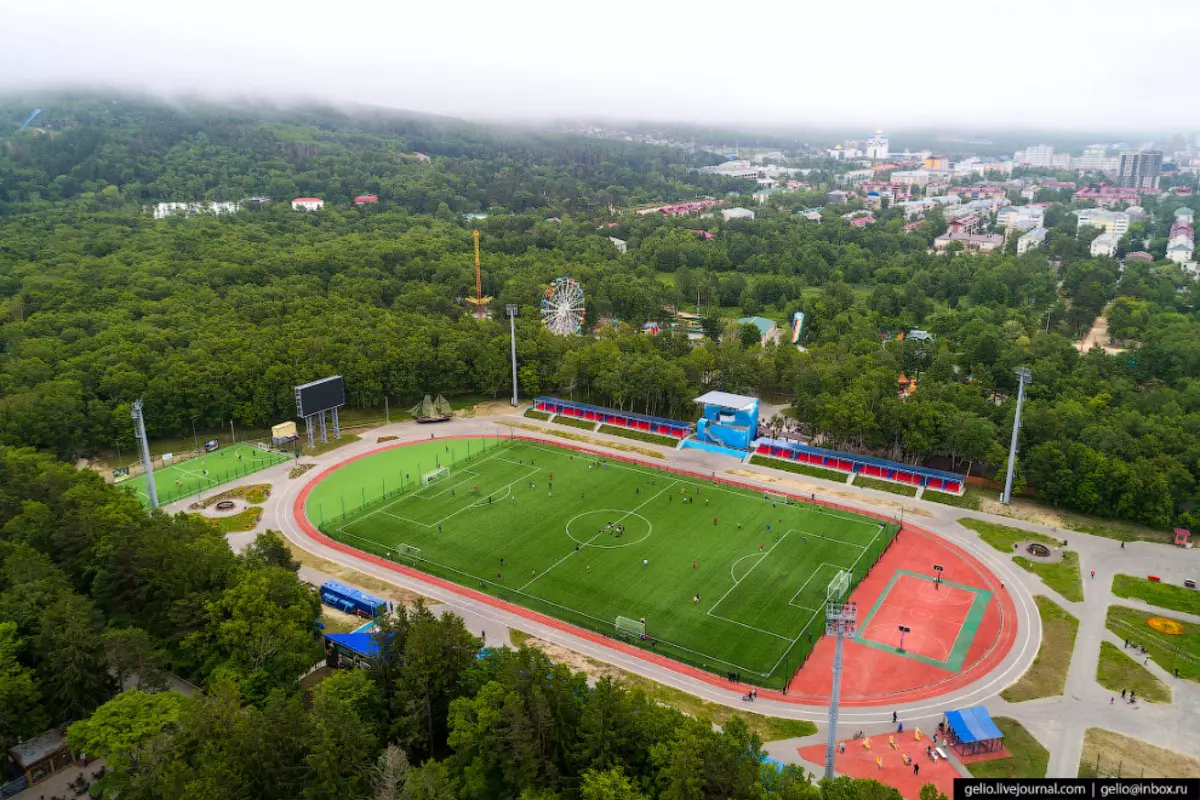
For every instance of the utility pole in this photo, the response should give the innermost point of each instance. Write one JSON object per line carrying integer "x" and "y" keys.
{"x": 195, "y": 439}
{"x": 232, "y": 432}
{"x": 840, "y": 620}
{"x": 511, "y": 310}
{"x": 1024, "y": 376}
{"x": 139, "y": 430}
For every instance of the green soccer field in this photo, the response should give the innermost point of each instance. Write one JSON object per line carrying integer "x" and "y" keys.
{"x": 210, "y": 470}
{"x": 725, "y": 578}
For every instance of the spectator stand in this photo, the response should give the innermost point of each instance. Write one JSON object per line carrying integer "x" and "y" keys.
{"x": 609, "y": 416}
{"x": 971, "y": 732}
{"x": 866, "y": 466}
{"x": 727, "y": 425}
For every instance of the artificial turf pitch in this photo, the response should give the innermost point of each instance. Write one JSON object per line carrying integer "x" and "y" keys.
{"x": 196, "y": 475}
{"x": 529, "y": 523}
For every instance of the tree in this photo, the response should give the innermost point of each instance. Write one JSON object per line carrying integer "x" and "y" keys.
{"x": 133, "y": 654}
{"x": 76, "y": 679}
{"x": 342, "y": 747}
{"x": 610, "y": 784}
{"x": 117, "y": 729}
{"x": 430, "y": 781}
{"x": 749, "y": 335}
{"x": 21, "y": 714}
{"x": 390, "y": 775}
{"x": 270, "y": 550}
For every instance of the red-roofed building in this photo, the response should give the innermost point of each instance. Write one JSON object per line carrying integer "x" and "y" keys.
{"x": 862, "y": 222}
{"x": 308, "y": 204}
{"x": 705, "y": 235}
{"x": 364, "y": 199}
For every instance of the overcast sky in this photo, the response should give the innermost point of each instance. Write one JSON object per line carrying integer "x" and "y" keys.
{"x": 894, "y": 63}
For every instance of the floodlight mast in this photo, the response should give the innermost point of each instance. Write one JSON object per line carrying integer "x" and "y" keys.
{"x": 139, "y": 431}
{"x": 511, "y": 310}
{"x": 1024, "y": 376}
{"x": 840, "y": 621}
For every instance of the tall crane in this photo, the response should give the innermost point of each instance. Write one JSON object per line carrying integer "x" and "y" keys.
{"x": 479, "y": 301}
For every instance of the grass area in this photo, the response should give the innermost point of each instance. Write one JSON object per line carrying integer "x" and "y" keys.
{"x": 1124, "y": 756}
{"x": 885, "y": 486}
{"x": 1062, "y": 576}
{"x": 1116, "y": 671}
{"x": 1003, "y": 537}
{"x": 338, "y": 621}
{"x": 519, "y": 638}
{"x": 537, "y": 525}
{"x": 332, "y": 444}
{"x": 533, "y": 413}
{"x": 571, "y": 422}
{"x": 1047, "y": 676}
{"x": 255, "y": 493}
{"x": 1029, "y": 759}
{"x": 641, "y": 436}
{"x": 1169, "y": 652}
{"x": 799, "y": 469}
{"x": 177, "y": 481}
{"x": 1163, "y": 595}
{"x": 967, "y": 499}
{"x": 579, "y": 437}
{"x": 244, "y": 520}
{"x": 361, "y": 580}
{"x": 1111, "y": 529}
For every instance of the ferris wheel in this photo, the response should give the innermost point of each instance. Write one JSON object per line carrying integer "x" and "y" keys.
{"x": 562, "y": 307}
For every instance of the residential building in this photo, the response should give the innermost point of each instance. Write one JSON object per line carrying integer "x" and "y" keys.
{"x": 1105, "y": 245}
{"x": 1036, "y": 238}
{"x": 1109, "y": 196}
{"x": 917, "y": 177}
{"x": 1136, "y": 213}
{"x": 971, "y": 242}
{"x": 1139, "y": 255}
{"x": 1180, "y": 251}
{"x": 1139, "y": 169}
{"x": 308, "y": 204}
{"x": 162, "y": 210}
{"x": 877, "y": 146}
{"x": 733, "y": 169}
{"x": 813, "y": 214}
{"x": 681, "y": 209}
{"x": 937, "y": 162}
{"x": 1095, "y": 158}
{"x": 737, "y": 213}
{"x": 1110, "y": 221}
{"x": 1042, "y": 155}
{"x": 366, "y": 199}
{"x": 837, "y": 196}
{"x": 1021, "y": 217}
{"x": 768, "y": 329}
{"x": 1184, "y": 213}
{"x": 620, "y": 244}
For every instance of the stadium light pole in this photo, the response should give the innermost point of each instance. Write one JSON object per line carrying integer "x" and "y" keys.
{"x": 511, "y": 310}
{"x": 195, "y": 438}
{"x": 1024, "y": 376}
{"x": 139, "y": 430}
{"x": 840, "y": 619}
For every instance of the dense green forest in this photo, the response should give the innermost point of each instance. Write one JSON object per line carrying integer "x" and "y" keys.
{"x": 217, "y": 317}
{"x": 95, "y": 594}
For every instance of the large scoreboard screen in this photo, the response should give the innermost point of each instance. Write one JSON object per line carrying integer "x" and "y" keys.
{"x": 313, "y": 398}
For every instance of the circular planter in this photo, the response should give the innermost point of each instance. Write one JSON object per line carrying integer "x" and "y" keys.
{"x": 226, "y": 505}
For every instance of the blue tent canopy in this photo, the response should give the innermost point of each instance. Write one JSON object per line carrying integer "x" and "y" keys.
{"x": 362, "y": 644}
{"x": 973, "y": 725}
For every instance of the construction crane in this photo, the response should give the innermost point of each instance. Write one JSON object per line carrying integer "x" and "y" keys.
{"x": 479, "y": 301}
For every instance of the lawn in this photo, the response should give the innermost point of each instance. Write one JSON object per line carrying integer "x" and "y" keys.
{"x": 641, "y": 436}
{"x": 1047, "y": 676}
{"x": 1029, "y": 759}
{"x": 1169, "y": 652}
{"x": 1063, "y": 576}
{"x": 885, "y": 486}
{"x": 1003, "y": 537}
{"x": 800, "y": 469}
{"x": 1163, "y": 595}
{"x": 1116, "y": 671}
{"x": 533, "y": 413}
{"x": 188, "y": 478}
{"x": 727, "y": 580}
{"x": 332, "y": 444}
{"x": 968, "y": 499}
{"x": 244, "y": 520}
{"x": 1122, "y": 756}
{"x": 571, "y": 422}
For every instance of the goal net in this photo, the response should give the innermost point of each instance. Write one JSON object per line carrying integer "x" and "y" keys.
{"x": 406, "y": 551}
{"x": 436, "y": 475}
{"x": 776, "y": 498}
{"x": 627, "y": 625}
{"x": 838, "y": 588}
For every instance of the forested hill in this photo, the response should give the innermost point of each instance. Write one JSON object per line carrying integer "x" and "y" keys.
{"x": 157, "y": 152}
{"x": 218, "y": 317}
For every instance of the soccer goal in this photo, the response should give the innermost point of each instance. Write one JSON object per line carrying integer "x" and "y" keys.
{"x": 776, "y": 498}
{"x": 839, "y": 587}
{"x": 436, "y": 475}
{"x": 406, "y": 551}
{"x": 627, "y": 625}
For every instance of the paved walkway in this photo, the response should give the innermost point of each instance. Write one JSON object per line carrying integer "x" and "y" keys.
{"x": 1058, "y": 722}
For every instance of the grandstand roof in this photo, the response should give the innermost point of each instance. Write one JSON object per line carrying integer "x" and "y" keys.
{"x": 625, "y": 414}
{"x": 973, "y": 725}
{"x": 878, "y": 462}
{"x": 734, "y": 402}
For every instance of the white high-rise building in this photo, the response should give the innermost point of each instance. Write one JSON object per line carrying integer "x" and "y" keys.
{"x": 877, "y": 146}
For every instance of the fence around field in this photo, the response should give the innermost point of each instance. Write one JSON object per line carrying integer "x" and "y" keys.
{"x": 353, "y": 503}
{"x": 778, "y": 678}
{"x": 168, "y": 491}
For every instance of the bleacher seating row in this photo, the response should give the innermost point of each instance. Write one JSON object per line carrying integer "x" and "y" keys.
{"x": 867, "y": 466}
{"x": 609, "y": 416}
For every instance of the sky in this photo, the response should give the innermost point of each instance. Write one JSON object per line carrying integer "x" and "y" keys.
{"x": 1065, "y": 64}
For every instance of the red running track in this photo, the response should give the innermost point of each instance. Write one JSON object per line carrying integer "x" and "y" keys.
{"x": 870, "y": 677}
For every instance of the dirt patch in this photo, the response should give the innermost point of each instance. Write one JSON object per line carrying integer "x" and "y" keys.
{"x": 339, "y": 621}
{"x": 1022, "y": 511}
{"x": 800, "y": 486}
{"x": 492, "y": 408}
{"x": 374, "y": 585}
{"x": 1132, "y": 758}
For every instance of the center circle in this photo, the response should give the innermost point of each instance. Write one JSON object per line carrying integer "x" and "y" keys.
{"x": 588, "y": 529}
